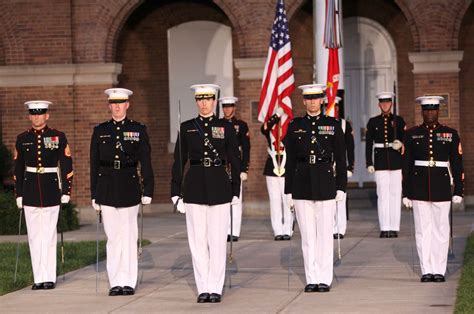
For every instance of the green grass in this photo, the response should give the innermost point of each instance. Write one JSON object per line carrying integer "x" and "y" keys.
{"x": 465, "y": 294}
{"x": 76, "y": 255}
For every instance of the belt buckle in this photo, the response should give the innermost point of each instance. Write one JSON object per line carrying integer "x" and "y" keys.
{"x": 312, "y": 159}
{"x": 39, "y": 169}
{"x": 117, "y": 164}
{"x": 432, "y": 163}
{"x": 206, "y": 162}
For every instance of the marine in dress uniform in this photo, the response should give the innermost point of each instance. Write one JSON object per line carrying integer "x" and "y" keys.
{"x": 432, "y": 156}
{"x": 118, "y": 147}
{"x": 315, "y": 179}
{"x": 384, "y": 135}
{"x": 43, "y": 177}
{"x": 207, "y": 192}
{"x": 274, "y": 172}
{"x": 340, "y": 219}
{"x": 243, "y": 137}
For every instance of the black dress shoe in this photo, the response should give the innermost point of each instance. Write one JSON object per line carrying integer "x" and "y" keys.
{"x": 438, "y": 278}
{"x": 228, "y": 238}
{"x": 49, "y": 285}
{"x": 203, "y": 298}
{"x": 235, "y": 238}
{"x": 278, "y": 238}
{"x": 426, "y": 278}
{"x": 128, "y": 290}
{"x": 341, "y": 236}
{"x": 286, "y": 237}
{"x": 393, "y": 234}
{"x": 115, "y": 291}
{"x": 384, "y": 234}
{"x": 311, "y": 288}
{"x": 322, "y": 287}
{"x": 215, "y": 298}
{"x": 37, "y": 286}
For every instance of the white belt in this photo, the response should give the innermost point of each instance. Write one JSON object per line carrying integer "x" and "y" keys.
{"x": 382, "y": 145}
{"x": 432, "y": 163}
{"x": 42, "y": 169}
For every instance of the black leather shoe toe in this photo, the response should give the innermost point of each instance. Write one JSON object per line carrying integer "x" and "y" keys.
{"x": 323, "y": 287}
{"x": 426, "y": 278}
{"x": 203, "y": 298}
{"x": 37, "y": 286}
{"x": 286, "y": 237}
{"x": 49, "y": 285}
{"x": 115, "y": 291}
{"x": 278, "y": 238}
{"x": 311, "y": 288}
{"x": 215, "y": 298}
{"x": 384, "y": 234}
{"x": 128, "y": 290}
{"x": 438, "y": 278}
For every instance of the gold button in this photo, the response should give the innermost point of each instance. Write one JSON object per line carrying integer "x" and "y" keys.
{"x": 117, "y": 137}
{"x": 313, "y": 132}
{"x": 39, "y": 141}
{"x": 205, "y": 134}
{"x": 314, "y": 123}
{"x": 39, "y": 136}
{"x": 39, "y": 146}
{"x": 312, "y": 152}
{"x": 39, "y": 152}
{"x": 39, "y": 165}
{"x": 205, "y": 124}
{"x": 118, "y": 128}
{"x": 431, "y": 152}
{"x": 116, "y": 156}
{"x": 39, "y": 158}
{"x": 431, "y": 146}
{"x": 205, "y": 153}
{"x": 431, "y": 140}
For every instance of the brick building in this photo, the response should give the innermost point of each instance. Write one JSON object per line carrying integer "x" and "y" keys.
{"x": 69, "y": 51}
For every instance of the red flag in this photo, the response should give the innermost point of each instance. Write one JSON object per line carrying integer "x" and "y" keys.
{"x": 278, "y": 79}
{"x": 332, "y": 82}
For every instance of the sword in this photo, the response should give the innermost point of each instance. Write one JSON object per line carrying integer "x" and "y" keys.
{"x": 99, "y": 220}
{"x": 62, "y": 243}
{"x": 231, "y": 232}
{"x": 339, "y": 258}
{"x": 292, "y": 210}
{"x": 18, "y": 245}
{"x": 140, "y": 250}
{"x": 175, "y": 207}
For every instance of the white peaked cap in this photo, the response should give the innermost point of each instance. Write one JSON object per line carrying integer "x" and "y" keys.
{"x": 118, "y": 93}
{"x": 228, "y": 100}
{"x": 312, "y": 89}
{"x": 385, "y": 95}
{"x": 205, "y": 89}
{"x": 37, "y": 104}
{"x": 430, "y": 100}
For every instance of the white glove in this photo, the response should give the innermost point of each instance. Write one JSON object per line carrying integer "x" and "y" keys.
{"x": 371, "y": 169}
{"x": 65, "y": 199}
{"x": 289, "y": 200}
{"x": 96, "y": 206}
{"x": 349, "y": 173}
{"x": 19, "y": 202}
{"x": 396, "y": 145}
{"x": 339, "y": 196}
{"x": 243, "y": 176}
{"x": 457, "y": 199}
{"x": 407, "y": 202}
{"x": 235, "y": 201}
{"x": 178, "y": 202}
{"x": 279, "y": 112}
{"x": 146, "y": 200}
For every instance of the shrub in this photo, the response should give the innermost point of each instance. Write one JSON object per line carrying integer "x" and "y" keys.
{"x": 9, "y": 214}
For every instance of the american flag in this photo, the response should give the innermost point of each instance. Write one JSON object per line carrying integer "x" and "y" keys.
{"x": 278, "y": 80}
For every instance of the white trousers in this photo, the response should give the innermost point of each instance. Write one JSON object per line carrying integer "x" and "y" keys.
{"x": 315, "y": 219}
{"x": 121, "y": 228}
{"x": 389, "y": 198}
{"x": 340, "y": 217}
{"x": 207, "y": 237}
{"x": 280, "y": 213}
{"x": 41, "y": 223}
{"x": 236, "y": 216}
{"x": 432, "y": 235}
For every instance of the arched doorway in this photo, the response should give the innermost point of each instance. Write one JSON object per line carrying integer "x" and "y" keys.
{"x": 370, "y": 67}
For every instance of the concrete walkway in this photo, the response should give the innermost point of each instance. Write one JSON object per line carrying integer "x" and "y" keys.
{"x": 375, "y": 276}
